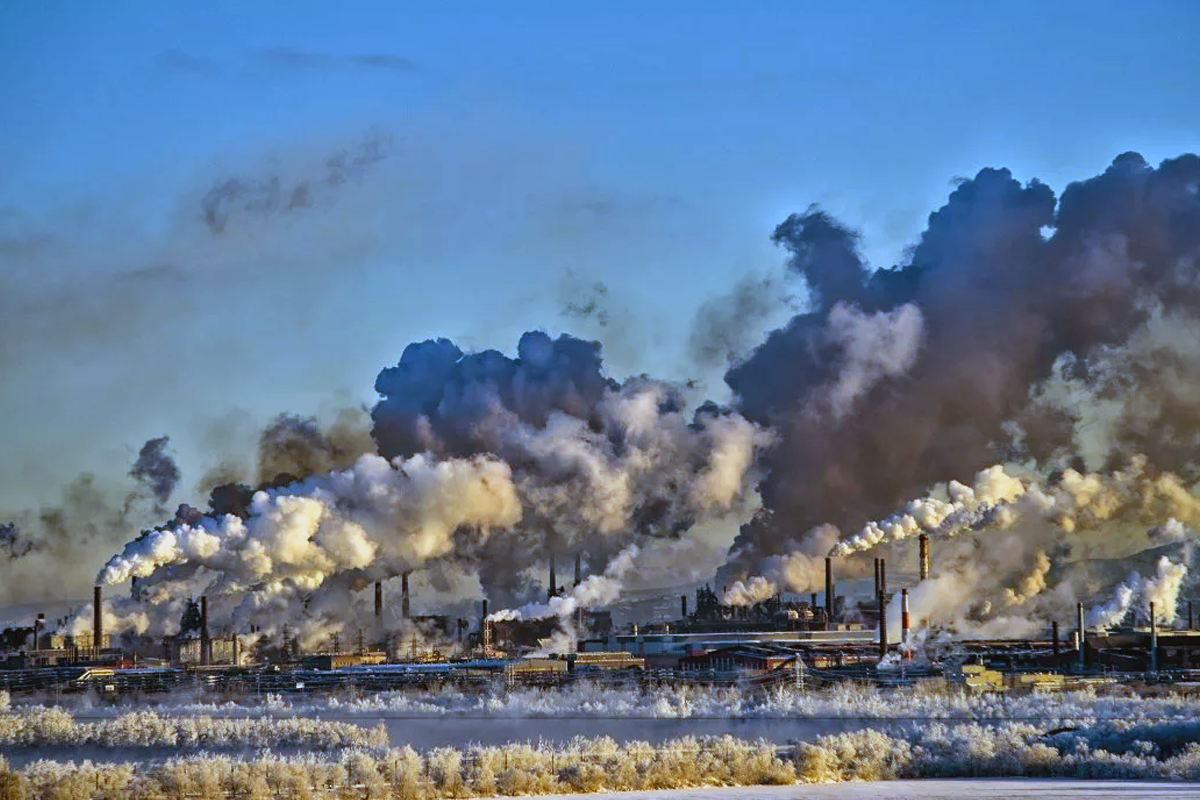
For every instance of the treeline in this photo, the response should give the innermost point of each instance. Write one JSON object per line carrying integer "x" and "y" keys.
{"x": 50, "y": 727}
{"x": 597, "y": 765}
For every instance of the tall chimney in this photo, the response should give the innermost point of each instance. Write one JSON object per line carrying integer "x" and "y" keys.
{"x": 828, "y": 589}
{"x": 378, "y": 602}
{"x": 1153, "y": 639}
{"x": 883, "y": 641}
{"x": 923, "y": 556}
{"x": 1082, "y": 636}
{"x": 37, "y": 631}
{"x": 483, "y": 615}
{"x": 579, "y": 570}
{"x": 683, "y": 606}
{"x": 1054, "y": 634}
{"x": 877, "y": 589}
{"x": 904, "y": 618}
{"x": 97, "y": 619}
{"x": 404, "y": 607}
{"x": 553, "y": 590}
{"x": 205, "y": 641}
{"x": 883, "y": 576}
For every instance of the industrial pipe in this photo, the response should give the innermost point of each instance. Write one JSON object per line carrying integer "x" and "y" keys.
{"x": 883, "y": 576}
{"x": 1082, "y": 637}
{"x": 904, "y": 620}
{"x": 828, "y": 590}
{"x": 205, "y": 641}
{"x": 923, "y": 556}
{"x": 877, "y": 589}
{"x": 883, "y": 640}
{"x": 1153, "y": 639}
{"x": 404, "y": 607}
{"x": 97, "y": 620}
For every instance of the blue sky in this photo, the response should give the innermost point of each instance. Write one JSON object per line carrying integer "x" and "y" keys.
{"x": 529, "y": 150}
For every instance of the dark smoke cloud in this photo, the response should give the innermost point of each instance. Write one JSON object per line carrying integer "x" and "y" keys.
{"x": 290, "y": 448}
{"x": 48, "y": 553}
{"x": 725, "y": 328}
{"x": 272, "y": 193}
{"x": 156, "y": 470}
{"x": 1012, "y": 290}
{"x": 439, "y": 399}
{"x": 287, "y": 58}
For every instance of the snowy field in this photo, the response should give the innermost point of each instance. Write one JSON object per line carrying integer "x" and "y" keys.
{"x": 929, "y": 790}
{"x": 590, "y": 739}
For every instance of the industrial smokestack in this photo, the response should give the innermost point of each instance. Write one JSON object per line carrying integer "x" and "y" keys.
{"x": 579, "y": 570}
{"x": 883, "y": 640}
{"x": 37, "y": 631}
{"x": 483, "y": 614}
{"x": 553, "y": 590}
{"x": 1082, "y": 637}
{"x": 828, "y": 589}
{"x": 205, "y": 642}
{"x": 378, "y": 602}
{"x": 1153, "y": 639}
{"x": 97, "y": 619}
{"x": 877, "y": 589}
{"x": 904, "y": 619}
{"x": 883, "y": 576}
{"x": 404, "y": 606}
{"x": 683, "y": 606}
{"x": 923, "y": 556}
{"x": 1054, "y": 635}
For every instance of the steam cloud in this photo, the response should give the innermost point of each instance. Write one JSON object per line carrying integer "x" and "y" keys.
{"x": 1047, "y": 346}
{"x": 487, "y": 464}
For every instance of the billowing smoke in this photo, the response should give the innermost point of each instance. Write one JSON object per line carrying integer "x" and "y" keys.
{"x": 595, "y": 591}
{"x": 1137, "y": 592}
{"x": 1021, "y": 327}
{"x": 156, "y": 470}
{"x": 48, "y": 554}
{"x": 488, "y": 465}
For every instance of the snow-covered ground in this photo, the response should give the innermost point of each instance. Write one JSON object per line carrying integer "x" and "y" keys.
{"x": 928, "y": 790}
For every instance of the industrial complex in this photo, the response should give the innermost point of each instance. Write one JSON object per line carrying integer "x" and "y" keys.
{"x": 819, "y": 639}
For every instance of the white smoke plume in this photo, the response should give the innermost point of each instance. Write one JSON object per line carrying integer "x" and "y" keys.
{"x": 1162, "y": 589}
{"x": 640, "y": 470}
{"x": 594, "y": 591}
{"x": 750, "y": 592}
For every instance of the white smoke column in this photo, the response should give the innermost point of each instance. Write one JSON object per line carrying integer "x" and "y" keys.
{"x": 874, "y": 347}
{"x": 1113, "y": 611}
{"x": 593, "y": 592}
{"x": 749, "y": 592}
{"x": 1163, "y": 590}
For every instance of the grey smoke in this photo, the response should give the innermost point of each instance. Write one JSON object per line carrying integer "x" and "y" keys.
{"x": 1005, "y": 308}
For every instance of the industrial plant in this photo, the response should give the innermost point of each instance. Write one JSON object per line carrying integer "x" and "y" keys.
{"x": 814, "y": 640}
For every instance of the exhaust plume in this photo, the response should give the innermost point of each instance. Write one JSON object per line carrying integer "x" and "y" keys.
{"x": 1038, "y": 328}
{"x": 488, "y": 466}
